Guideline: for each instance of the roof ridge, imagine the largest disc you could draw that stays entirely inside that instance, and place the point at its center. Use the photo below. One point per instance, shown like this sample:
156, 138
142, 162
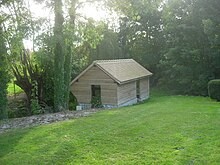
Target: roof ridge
114, 60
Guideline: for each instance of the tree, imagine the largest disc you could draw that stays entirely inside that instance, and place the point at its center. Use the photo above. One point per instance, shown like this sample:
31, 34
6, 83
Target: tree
69, 35
13, 29
140, 31
29, 78
59, 49
188, 61
3, 77
17, 25
210, 11
108, 48
64, 54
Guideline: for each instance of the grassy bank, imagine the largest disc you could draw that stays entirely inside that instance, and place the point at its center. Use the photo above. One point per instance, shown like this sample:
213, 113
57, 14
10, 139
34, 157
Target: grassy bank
164, 130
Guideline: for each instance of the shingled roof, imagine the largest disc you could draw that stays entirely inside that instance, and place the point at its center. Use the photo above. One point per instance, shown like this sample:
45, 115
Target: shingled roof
121, 70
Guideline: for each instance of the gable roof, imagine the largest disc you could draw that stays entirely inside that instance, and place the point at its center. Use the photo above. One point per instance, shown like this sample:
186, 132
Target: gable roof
121, 70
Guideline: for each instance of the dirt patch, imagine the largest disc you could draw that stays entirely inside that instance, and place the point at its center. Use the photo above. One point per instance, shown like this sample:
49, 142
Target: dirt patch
25, 122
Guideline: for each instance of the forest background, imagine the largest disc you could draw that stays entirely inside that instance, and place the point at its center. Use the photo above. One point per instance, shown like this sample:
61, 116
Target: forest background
177, 40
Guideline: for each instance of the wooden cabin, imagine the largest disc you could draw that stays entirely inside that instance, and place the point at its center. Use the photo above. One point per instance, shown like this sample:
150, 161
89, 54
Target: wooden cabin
116, 82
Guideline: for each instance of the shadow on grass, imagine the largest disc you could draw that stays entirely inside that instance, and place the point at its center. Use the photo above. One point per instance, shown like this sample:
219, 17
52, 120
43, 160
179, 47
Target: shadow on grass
169, 129
9, 140
35, 145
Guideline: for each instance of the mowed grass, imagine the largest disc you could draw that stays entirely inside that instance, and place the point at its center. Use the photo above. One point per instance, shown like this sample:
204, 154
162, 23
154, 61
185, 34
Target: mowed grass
163, 130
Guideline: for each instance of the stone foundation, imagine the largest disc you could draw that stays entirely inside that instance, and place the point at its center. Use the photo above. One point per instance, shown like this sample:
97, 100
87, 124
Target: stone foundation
108, 106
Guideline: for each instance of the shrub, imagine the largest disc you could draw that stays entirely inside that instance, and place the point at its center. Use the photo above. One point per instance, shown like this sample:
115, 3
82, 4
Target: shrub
72, 102
96, 102
214, 89
35, 107
17, 108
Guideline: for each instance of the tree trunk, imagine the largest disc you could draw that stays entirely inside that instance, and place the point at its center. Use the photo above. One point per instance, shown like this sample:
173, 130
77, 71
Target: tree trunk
68, 54
25, 78
59, 104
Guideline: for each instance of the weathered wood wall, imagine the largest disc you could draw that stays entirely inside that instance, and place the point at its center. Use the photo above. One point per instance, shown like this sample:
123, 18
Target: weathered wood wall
144, 88
94, 76
126, 92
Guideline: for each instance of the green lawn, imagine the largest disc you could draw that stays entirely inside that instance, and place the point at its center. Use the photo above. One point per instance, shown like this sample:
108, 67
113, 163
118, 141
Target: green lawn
164, 130
11, 89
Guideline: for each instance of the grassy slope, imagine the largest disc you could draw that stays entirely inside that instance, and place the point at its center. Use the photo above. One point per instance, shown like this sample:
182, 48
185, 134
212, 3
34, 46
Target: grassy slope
164, 130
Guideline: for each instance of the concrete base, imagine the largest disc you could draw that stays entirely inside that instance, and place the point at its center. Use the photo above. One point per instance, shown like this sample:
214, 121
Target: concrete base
83, 106
78, 108
144, 98
130, 102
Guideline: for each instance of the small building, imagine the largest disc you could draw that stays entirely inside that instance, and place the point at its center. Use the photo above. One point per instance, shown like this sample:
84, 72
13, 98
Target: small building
116, 82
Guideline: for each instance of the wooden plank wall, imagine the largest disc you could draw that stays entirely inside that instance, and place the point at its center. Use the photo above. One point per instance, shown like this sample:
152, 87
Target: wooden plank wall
144, 88
126, 92
95, 76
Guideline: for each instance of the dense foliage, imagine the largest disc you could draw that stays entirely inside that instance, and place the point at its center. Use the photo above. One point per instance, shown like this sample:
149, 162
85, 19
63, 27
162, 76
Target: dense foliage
3, 78
214, 89
189, 60
179, 41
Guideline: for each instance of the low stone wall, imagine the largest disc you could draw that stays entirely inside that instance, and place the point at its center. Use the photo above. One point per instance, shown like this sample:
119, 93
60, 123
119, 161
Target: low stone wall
25, 122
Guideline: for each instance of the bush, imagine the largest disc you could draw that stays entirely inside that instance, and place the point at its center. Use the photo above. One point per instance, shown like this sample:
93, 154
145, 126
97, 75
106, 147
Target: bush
35, 107
214, 89
72, 102
17, 108
96, 102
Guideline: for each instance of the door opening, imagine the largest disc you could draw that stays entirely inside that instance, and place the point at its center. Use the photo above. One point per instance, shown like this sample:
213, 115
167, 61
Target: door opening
138, 90
96, 96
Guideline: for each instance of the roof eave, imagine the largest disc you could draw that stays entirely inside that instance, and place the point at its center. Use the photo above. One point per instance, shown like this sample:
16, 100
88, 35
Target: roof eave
75, 79
135, 79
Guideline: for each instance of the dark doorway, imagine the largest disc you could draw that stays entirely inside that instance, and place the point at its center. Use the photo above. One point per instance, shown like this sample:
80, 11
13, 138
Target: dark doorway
138, 90
96, 96
96, 90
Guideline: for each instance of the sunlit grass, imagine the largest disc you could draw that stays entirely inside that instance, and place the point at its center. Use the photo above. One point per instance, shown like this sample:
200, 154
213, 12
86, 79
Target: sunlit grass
11, 90
164, 130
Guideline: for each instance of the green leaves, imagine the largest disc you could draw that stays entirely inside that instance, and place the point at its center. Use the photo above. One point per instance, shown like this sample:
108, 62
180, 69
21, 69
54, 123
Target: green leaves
3, 78
178, 40
188, 59
214, 89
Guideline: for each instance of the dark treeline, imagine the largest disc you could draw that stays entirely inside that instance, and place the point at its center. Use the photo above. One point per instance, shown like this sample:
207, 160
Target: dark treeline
177, 40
